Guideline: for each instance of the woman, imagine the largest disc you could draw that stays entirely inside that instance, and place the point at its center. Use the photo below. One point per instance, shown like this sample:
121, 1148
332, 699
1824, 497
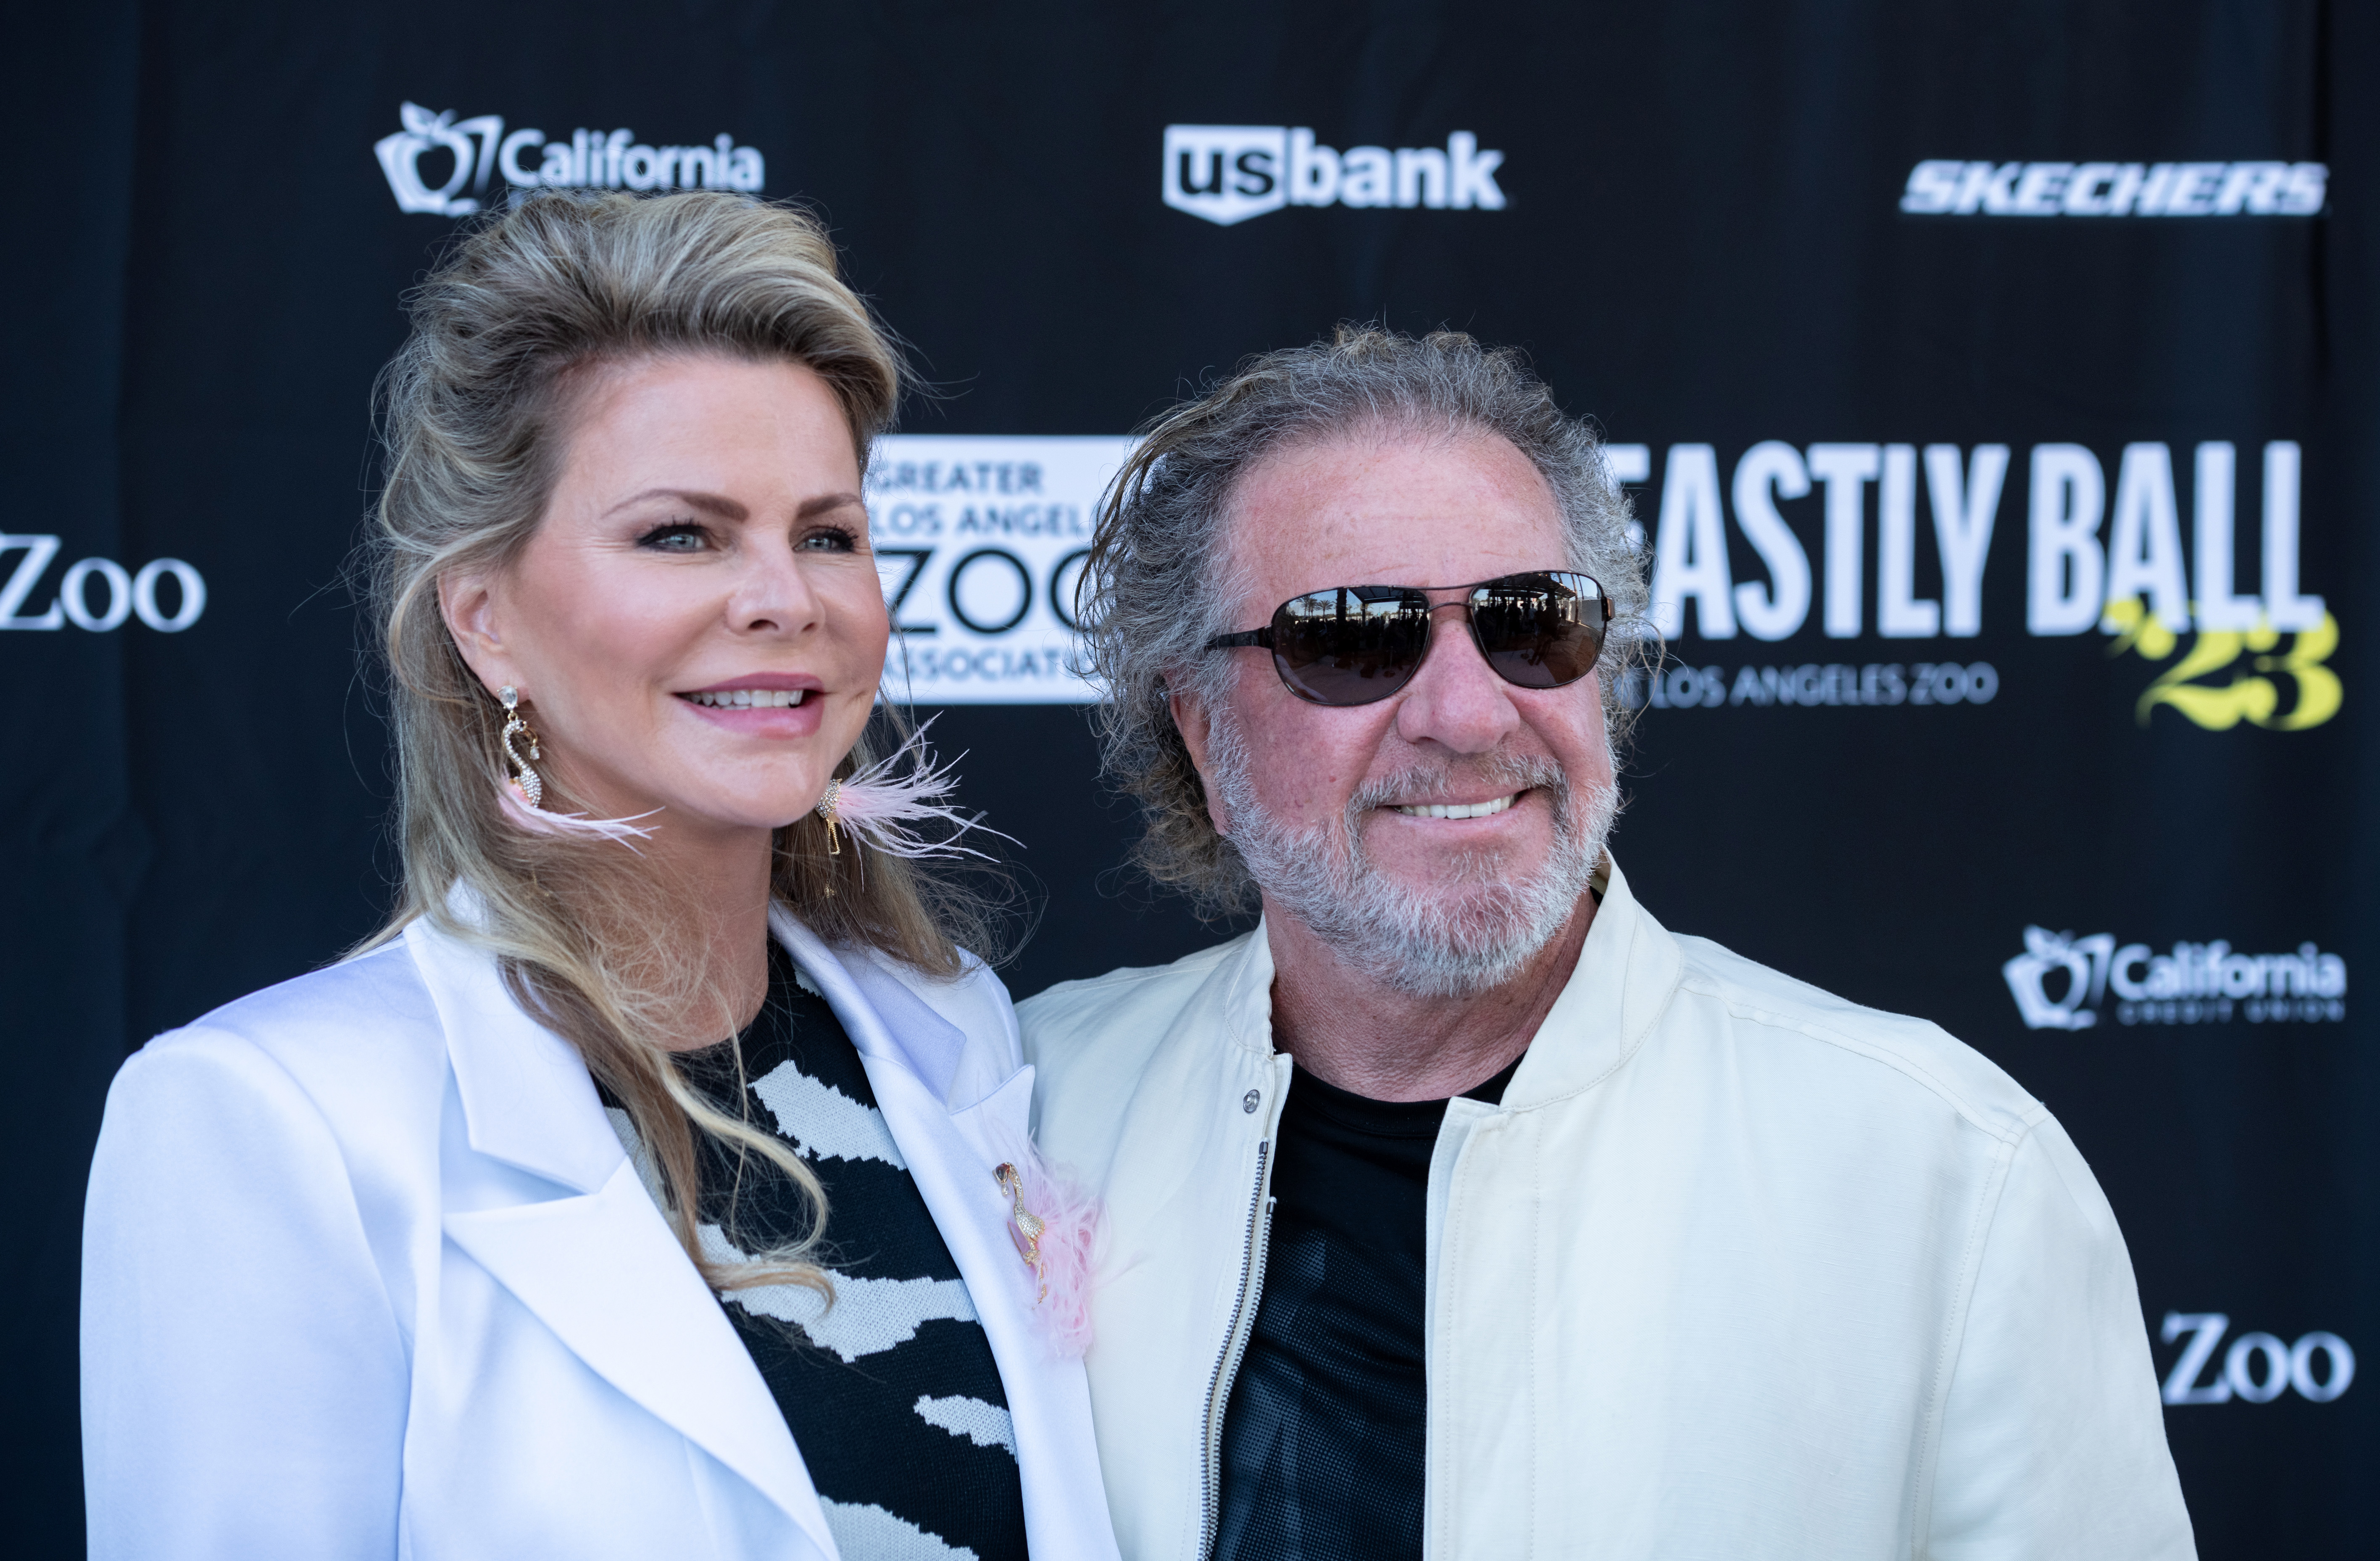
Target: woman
491, 1241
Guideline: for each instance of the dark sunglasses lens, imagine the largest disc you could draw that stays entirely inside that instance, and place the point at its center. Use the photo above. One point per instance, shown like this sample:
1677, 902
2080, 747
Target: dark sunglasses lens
1539, 630
1352, 645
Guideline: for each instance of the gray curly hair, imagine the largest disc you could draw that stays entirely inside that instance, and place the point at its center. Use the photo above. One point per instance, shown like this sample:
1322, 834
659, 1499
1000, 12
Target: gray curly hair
1157, 587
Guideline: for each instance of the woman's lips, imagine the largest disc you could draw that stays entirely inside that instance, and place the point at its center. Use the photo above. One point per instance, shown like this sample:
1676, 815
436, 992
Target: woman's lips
747, 698
749, 682
758, 713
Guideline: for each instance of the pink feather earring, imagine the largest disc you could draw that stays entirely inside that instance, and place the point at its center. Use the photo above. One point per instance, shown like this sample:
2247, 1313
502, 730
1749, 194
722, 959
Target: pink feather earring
523, 796
881, 809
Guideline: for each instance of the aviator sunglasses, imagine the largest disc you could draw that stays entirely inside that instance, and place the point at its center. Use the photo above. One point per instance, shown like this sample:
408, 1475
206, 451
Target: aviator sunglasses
1353, 644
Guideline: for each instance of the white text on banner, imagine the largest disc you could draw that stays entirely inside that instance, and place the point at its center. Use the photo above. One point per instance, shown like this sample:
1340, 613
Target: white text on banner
980, 541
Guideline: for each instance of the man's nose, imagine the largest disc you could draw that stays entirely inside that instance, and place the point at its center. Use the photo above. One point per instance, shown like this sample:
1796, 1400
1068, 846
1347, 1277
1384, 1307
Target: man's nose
1456, 699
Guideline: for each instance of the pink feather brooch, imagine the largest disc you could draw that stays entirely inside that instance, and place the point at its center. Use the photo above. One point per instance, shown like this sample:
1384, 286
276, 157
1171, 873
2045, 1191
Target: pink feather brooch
1054, 1222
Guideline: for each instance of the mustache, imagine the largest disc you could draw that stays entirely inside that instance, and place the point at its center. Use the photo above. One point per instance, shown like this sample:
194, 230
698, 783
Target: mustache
1430, 783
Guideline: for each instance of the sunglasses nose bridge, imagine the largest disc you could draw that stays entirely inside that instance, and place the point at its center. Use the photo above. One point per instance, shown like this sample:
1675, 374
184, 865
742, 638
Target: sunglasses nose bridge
1462, 628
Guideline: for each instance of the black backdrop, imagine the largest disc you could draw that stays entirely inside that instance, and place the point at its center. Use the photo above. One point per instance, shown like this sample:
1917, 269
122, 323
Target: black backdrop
1709, 225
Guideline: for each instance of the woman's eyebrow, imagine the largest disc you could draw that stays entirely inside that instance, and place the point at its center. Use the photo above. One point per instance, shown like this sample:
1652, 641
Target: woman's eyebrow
825, 501
713, 504
729, 509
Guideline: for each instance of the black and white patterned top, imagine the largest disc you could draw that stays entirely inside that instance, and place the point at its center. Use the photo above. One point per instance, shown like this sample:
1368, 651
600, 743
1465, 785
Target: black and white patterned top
892, 1394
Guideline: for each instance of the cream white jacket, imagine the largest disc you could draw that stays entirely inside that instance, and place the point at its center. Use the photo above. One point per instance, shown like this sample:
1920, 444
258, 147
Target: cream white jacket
1736, 1269
366, 1273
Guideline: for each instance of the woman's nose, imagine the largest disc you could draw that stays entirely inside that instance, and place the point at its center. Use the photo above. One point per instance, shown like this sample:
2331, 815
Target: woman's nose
773, 594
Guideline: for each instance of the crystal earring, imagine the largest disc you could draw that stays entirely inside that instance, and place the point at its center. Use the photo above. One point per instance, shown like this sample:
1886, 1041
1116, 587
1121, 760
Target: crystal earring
522, 798
531, 788
827, 810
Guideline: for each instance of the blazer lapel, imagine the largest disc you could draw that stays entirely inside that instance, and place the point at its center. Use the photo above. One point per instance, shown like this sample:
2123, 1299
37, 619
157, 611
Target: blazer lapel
527, 1097
600, 1268
604, 1273
915, 1061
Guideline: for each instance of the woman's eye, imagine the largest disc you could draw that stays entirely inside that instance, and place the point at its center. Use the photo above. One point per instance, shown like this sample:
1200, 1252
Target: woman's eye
834, 539
678, 538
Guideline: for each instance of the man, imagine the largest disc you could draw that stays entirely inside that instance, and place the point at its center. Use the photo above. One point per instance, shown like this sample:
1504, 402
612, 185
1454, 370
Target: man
1460, 1208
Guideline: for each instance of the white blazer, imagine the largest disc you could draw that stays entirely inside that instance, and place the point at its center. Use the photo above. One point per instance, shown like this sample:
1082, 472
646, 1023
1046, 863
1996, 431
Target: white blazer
366, 1273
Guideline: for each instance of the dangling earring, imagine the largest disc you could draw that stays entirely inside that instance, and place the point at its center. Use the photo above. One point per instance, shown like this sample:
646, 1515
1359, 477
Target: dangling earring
878, 807
826, 810
522, 798
531, 788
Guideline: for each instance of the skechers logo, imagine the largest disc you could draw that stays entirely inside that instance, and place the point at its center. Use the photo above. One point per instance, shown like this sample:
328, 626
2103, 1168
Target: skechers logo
1950, 188
1229, 173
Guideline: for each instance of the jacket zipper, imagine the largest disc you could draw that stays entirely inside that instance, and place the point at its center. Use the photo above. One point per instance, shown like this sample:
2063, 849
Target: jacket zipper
1235, 1345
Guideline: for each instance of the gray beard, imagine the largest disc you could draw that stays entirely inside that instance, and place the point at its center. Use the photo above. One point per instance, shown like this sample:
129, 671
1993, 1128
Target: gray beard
1483, 926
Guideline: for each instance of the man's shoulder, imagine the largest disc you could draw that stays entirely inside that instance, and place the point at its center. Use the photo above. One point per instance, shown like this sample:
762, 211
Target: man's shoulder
1139, 1000
1776, 1007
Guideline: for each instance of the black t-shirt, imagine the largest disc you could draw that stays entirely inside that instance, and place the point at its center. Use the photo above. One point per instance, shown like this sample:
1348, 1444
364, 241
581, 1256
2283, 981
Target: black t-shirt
1323, 1436
892, 1395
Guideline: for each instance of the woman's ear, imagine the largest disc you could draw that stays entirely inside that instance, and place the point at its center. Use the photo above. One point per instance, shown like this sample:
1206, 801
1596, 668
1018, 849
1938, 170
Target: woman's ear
467, 601
1197, 724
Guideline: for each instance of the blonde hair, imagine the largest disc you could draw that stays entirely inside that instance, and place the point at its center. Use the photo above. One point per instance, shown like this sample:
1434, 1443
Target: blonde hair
475, 415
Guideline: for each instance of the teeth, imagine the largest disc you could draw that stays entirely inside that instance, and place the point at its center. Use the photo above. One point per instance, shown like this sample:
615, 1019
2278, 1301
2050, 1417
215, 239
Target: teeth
1460, 809
750, 699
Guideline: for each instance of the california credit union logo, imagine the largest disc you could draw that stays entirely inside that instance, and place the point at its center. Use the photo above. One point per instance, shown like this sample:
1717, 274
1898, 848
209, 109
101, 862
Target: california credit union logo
480, 150
2061, 982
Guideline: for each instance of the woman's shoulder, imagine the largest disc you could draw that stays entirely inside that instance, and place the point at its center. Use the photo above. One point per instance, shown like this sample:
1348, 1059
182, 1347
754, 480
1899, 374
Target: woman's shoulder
358, 1040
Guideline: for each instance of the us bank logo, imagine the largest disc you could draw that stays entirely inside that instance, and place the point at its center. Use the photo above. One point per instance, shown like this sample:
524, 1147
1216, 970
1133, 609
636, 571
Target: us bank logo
1229, 173
2061, 982
464, 155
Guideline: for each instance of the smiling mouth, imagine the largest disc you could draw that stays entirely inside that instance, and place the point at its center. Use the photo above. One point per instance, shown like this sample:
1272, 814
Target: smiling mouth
749, 698
1459, 810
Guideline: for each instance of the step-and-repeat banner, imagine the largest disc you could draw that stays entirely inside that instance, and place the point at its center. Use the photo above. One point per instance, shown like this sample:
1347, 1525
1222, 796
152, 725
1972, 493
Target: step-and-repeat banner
1996, 384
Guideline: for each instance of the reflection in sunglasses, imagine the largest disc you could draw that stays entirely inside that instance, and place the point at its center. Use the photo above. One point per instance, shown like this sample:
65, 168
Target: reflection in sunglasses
1354, 644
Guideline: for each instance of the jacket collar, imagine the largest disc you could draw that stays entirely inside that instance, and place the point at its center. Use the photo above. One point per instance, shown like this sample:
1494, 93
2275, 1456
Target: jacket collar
602, 1271
1627, 971
527, 1097
528, 1100
600, 1268
958, 1100
880, 1007
607, 1276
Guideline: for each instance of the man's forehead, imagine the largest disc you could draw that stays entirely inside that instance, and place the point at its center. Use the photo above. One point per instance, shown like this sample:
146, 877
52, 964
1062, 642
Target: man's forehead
1421, 509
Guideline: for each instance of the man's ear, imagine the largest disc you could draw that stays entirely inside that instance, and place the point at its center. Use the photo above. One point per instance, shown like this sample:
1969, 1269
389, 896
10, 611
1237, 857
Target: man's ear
1197, 724
467, 601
